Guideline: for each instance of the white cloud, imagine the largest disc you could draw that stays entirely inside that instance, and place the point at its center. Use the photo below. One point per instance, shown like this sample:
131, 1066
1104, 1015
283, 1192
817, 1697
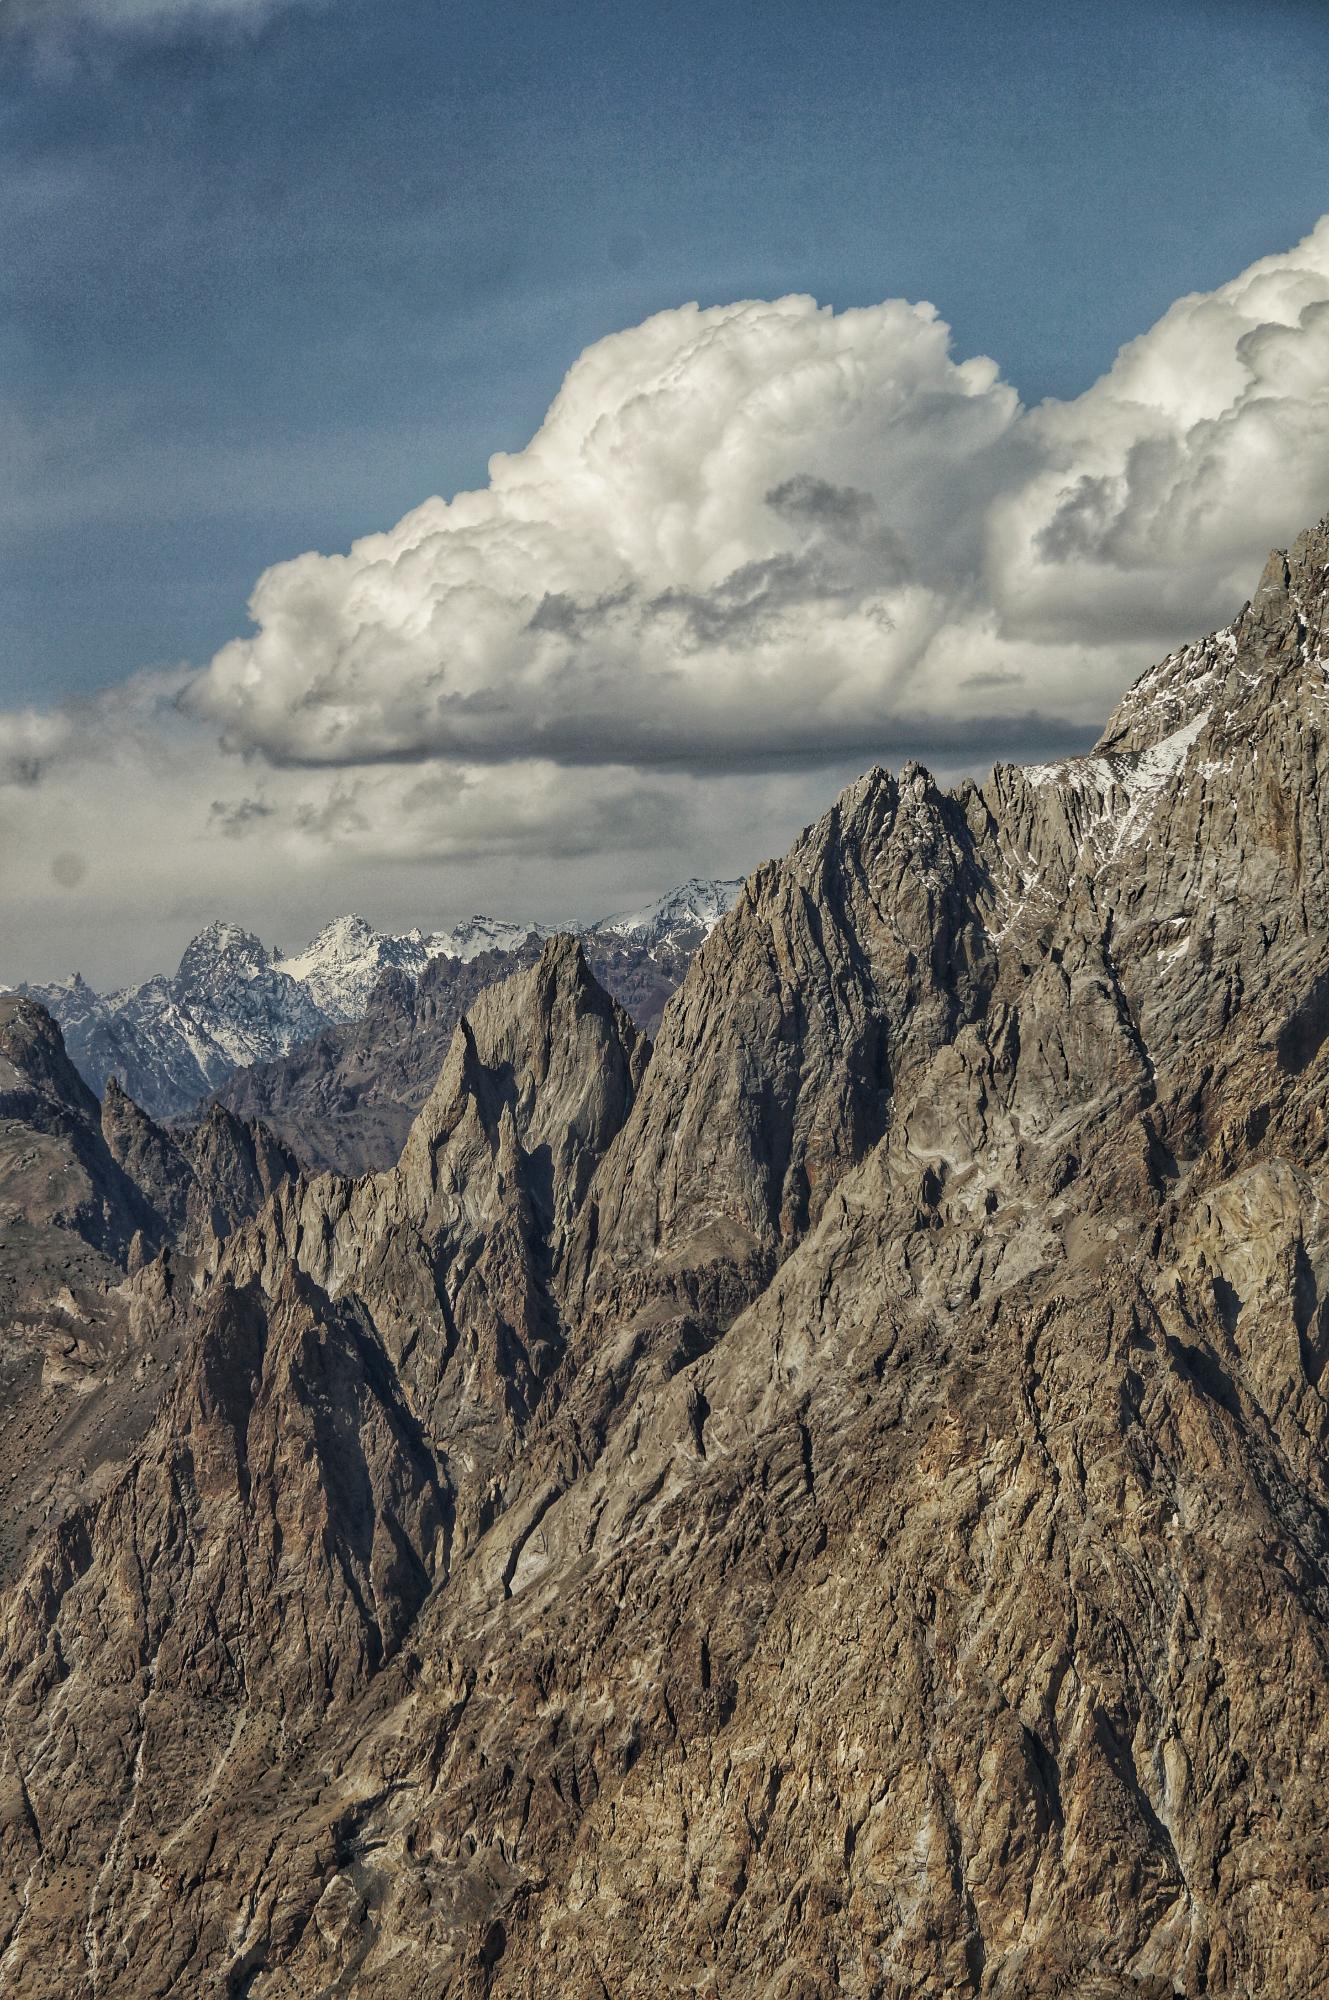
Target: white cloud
123, 827
761, 538
769, 529
1206, 442
736, 531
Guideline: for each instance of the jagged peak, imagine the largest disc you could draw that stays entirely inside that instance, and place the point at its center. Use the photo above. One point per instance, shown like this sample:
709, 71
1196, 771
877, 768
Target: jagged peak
863, 811
225, 935
1309, 553
218, 1117
350, 925
33, 1047
459, 1081
699, 903
863, 796
223, 940
562, 951
515, 1034
1292, 587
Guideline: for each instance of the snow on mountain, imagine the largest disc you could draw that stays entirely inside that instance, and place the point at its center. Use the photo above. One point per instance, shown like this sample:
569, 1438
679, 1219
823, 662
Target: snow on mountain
343, 964
479, 934
176, 1037
686, 915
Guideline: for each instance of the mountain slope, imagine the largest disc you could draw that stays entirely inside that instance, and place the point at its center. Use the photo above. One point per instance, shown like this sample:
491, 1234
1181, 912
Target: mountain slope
89, 1194
838, 1507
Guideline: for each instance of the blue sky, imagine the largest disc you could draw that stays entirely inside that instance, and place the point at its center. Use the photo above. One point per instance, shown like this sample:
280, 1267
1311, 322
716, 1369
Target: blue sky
266, 287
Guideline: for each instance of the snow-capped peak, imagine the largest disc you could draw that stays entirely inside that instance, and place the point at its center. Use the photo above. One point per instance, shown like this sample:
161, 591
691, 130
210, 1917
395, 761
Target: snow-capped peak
694, 907
223, 947
478, 933
342, 965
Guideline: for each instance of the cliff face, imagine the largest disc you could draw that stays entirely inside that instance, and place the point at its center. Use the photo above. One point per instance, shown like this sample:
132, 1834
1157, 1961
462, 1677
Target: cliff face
836, 1507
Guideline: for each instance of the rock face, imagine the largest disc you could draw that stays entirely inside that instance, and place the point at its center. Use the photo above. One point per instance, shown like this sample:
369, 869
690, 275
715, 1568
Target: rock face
835, 1504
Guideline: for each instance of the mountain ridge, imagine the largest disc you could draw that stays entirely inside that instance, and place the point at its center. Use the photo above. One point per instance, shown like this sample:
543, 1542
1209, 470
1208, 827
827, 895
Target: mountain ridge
174, 1039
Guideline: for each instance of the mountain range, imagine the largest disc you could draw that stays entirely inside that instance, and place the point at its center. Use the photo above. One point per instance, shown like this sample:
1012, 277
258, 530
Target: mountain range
175, 1038
829, 1500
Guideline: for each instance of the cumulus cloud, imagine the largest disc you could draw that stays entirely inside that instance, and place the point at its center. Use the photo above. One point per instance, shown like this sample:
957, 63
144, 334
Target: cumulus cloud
734, 534
772, 530
763, 539
1206, 442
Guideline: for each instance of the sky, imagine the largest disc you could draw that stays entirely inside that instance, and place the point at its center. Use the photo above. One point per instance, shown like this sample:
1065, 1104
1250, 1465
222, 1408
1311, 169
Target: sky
516, 456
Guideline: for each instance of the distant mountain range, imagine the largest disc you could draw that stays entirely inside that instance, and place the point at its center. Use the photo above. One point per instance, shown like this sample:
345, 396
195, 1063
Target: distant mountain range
176, 1038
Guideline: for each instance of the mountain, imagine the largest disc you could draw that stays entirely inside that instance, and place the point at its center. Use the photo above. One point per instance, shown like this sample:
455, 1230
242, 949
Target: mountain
683, 918
480, 934
346, 1099
832, 1503
174, 1040
344, 963
340, 968
89, 1195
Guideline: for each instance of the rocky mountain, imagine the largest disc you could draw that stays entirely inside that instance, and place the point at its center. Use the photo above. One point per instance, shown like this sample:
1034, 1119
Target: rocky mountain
346, 1099
89, 1195
833, 1503
682, 920
174, 1039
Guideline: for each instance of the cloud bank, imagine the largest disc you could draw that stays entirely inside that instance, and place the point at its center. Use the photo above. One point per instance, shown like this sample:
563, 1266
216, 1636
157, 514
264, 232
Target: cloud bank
750, 546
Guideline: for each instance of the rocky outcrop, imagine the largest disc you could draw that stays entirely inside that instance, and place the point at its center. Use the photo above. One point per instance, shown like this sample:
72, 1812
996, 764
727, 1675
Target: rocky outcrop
57, 1174
836, 1508
838, 970
453, 1251
282, 1489
235, 1166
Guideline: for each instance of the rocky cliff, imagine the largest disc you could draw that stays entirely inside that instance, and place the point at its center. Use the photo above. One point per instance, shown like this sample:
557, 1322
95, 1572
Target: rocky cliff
90, 1195
833, 1504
